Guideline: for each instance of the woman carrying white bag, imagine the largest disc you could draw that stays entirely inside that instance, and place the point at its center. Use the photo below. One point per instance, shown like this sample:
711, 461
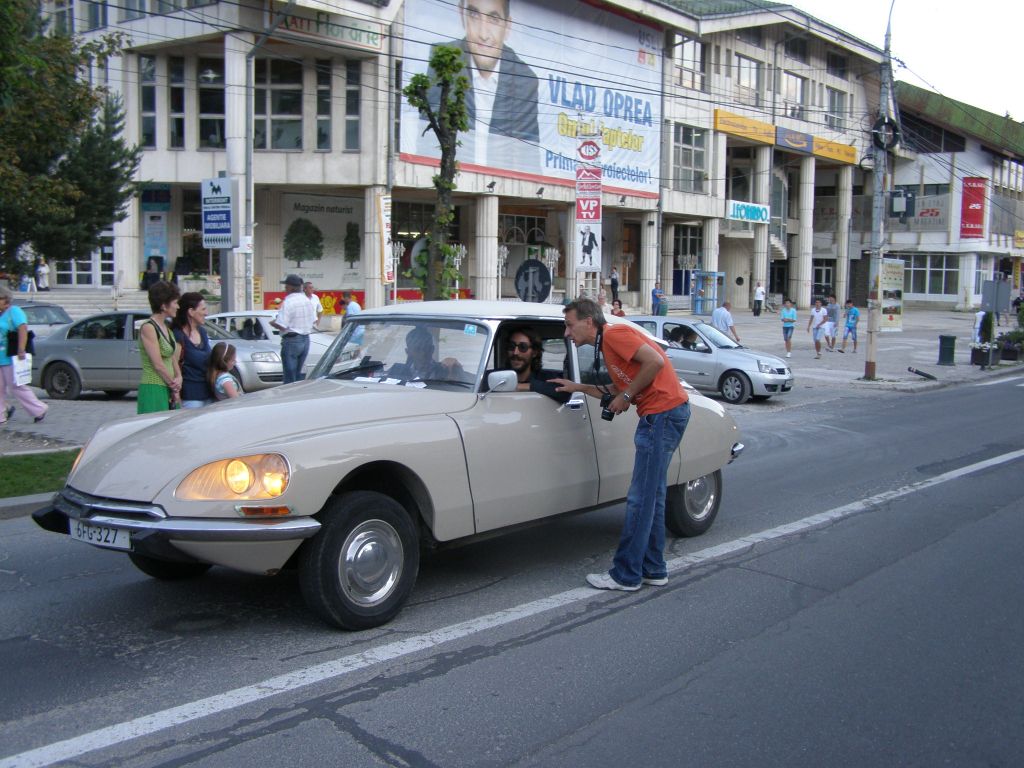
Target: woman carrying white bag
12, 319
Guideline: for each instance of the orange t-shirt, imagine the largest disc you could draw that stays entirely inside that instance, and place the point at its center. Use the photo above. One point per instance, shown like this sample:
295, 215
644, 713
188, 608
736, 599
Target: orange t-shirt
618, 345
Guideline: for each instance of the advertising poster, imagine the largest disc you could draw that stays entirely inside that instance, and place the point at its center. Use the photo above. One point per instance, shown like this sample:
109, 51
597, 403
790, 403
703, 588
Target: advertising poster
588, 219
540, 75
972, 208
323, 240
387, 265
890, 283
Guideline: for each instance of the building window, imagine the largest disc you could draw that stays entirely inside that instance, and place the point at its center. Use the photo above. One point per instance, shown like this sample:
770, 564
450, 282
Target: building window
748, 81
835, 65
96, 14
983, 268
323, 104
63, 18
796, 48
278, 104
353, 76
167, 6
688, 247
176, 102
925, 137
752, 35
689, 158
147, 102
691, 65
793, 89
210, 78
835, 109
132, 9
397, 112
931, 273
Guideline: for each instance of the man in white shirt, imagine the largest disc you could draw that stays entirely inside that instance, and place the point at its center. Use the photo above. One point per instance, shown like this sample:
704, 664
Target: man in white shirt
295, 320
818, 324
352, 308
721, 318
758, 299
314, 300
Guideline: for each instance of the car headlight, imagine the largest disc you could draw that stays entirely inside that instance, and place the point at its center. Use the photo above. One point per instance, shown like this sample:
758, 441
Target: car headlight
243, 478
265, 357
764, 367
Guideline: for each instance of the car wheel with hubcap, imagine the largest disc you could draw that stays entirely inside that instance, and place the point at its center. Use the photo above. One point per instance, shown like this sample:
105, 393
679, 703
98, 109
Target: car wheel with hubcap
358, 571
62, 382
690, 508
167, 570
735, 387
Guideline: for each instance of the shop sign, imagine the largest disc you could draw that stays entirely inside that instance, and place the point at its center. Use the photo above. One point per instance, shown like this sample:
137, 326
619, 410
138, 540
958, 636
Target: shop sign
738, 125
738, 210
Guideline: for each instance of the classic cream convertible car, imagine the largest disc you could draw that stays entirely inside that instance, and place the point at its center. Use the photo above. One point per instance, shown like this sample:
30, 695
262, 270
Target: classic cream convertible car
409, 432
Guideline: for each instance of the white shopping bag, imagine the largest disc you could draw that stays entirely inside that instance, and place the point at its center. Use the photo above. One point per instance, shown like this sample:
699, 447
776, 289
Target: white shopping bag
22, 370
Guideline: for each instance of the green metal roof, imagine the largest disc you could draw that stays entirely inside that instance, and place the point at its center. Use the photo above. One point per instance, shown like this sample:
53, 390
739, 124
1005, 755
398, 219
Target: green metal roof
996, 132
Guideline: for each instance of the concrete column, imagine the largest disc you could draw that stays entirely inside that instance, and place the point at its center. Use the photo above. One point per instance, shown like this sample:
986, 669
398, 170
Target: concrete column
668, 232
128, 257
844, 193
236, 46
372, 243
650, 257
712, 230
801, 292
968, 266
762, 195
571, 256
485, 284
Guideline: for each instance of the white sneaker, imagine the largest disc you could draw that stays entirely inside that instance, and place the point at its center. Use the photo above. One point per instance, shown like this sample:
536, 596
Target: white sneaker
788, 354
605, 581
660, 582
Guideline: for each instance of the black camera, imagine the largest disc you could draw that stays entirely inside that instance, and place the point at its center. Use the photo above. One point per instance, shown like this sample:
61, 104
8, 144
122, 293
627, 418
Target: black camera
606, 400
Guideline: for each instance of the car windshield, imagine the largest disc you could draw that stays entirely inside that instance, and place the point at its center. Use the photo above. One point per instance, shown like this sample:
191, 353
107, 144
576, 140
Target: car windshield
216, 332
46, 315
716, 337
406, 351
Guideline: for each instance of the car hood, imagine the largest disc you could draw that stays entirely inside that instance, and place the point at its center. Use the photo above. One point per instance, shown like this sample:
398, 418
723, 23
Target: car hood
741, 355
136, 458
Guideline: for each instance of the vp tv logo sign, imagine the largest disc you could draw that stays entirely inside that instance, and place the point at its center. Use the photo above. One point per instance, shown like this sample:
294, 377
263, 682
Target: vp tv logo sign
588, 209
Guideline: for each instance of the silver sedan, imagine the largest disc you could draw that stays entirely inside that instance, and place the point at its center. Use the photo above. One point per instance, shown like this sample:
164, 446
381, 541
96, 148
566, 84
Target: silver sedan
102, 352
712, 362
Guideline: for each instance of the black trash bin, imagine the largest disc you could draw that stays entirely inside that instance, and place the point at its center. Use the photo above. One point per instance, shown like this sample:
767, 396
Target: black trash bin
947, 348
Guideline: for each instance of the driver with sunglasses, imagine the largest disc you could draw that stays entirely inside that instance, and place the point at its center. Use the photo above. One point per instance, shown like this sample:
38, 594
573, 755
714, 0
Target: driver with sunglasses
523, 351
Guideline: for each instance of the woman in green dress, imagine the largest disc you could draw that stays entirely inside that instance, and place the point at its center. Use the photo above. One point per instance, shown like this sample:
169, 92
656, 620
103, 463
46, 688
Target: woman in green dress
160, 387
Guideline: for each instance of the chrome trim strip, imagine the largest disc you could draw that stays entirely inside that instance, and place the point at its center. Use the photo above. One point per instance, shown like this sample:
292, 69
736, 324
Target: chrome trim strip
191, 529
737, 449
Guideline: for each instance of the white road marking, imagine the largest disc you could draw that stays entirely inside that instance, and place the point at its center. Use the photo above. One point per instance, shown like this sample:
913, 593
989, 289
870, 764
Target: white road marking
147, 725
1002, 380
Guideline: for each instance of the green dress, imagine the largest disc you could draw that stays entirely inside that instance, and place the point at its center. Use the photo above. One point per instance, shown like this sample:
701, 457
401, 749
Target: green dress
154, 394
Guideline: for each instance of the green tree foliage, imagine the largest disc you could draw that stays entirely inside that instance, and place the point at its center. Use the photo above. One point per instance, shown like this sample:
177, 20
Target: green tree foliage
303, 241
353, 243
44, 110
440, 97
101, 168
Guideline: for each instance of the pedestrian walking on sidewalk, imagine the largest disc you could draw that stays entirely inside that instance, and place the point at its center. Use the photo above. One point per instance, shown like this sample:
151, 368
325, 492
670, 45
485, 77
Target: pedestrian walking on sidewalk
852, 315
816, 326
721, 318
788, 317
758, 299
832, 328
14, 326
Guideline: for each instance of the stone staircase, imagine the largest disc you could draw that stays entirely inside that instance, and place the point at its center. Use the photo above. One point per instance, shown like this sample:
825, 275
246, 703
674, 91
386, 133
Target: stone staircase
82, 302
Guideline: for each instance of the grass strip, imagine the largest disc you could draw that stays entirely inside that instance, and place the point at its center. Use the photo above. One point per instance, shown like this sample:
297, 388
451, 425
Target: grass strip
32, 473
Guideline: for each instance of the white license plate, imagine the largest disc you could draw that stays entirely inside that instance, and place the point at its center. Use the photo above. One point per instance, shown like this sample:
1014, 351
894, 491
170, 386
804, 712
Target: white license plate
100, 535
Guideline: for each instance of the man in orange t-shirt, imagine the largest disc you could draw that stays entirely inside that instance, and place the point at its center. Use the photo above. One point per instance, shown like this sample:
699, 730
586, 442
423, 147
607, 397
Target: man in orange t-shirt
641, 374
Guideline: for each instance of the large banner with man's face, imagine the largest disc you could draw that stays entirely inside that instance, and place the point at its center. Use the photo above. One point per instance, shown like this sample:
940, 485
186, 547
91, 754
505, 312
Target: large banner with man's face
539, 73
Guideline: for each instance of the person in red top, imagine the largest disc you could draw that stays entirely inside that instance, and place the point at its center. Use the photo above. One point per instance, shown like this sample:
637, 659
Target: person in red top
643, 376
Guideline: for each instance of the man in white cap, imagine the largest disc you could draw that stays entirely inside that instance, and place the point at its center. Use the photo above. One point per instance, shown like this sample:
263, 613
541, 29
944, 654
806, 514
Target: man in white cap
295, 320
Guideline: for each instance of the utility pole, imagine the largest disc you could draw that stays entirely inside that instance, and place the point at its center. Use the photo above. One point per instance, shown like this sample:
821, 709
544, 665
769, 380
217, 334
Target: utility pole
884, 136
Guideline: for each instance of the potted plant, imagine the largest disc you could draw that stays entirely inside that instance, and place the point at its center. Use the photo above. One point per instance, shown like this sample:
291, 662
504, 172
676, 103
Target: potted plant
1010, 344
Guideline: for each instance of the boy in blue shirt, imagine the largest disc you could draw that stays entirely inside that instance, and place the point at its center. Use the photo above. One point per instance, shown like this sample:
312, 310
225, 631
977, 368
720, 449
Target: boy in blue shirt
788, 317
852, 315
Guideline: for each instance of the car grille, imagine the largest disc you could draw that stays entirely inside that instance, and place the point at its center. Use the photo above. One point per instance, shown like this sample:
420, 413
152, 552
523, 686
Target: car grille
80, 505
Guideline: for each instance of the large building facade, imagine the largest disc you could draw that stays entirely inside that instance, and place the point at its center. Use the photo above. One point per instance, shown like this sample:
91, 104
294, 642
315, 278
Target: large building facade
729, 143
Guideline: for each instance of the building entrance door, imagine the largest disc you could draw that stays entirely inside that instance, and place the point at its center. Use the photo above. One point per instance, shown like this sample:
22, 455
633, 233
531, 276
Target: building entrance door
94, 271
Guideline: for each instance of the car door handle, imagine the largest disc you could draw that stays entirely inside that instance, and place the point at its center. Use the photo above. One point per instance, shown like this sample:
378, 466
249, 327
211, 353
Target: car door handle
576, 404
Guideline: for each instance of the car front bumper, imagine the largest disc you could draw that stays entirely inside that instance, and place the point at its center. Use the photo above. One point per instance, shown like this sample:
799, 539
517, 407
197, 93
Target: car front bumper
771, 383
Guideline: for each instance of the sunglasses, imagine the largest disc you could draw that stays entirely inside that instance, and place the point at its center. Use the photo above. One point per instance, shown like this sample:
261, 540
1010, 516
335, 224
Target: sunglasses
522, 346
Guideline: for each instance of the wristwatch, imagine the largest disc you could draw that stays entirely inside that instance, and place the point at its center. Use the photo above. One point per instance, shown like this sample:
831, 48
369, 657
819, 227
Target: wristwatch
626, 396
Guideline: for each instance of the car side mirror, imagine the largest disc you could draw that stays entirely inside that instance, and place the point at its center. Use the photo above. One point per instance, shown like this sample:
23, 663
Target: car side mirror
502, 381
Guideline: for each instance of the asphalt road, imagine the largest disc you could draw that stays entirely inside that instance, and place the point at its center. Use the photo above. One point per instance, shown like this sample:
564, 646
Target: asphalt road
858, 602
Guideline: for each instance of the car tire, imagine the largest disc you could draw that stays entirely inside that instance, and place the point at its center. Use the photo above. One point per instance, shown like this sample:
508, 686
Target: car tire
359, 570
167, 570
691, 508
735, 387
115, 394
62, 382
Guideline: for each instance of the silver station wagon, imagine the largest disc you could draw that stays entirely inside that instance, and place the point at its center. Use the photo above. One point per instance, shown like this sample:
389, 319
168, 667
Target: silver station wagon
407, 434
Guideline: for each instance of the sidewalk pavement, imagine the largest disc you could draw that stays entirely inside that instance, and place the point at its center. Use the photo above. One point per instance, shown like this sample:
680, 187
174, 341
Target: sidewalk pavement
916, 346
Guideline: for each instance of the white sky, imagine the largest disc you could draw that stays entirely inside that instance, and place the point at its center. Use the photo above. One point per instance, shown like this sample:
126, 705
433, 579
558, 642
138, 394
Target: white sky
971, 52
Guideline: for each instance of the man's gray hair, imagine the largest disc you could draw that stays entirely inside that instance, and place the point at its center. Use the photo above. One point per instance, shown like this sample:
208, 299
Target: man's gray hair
6, 293
585, 308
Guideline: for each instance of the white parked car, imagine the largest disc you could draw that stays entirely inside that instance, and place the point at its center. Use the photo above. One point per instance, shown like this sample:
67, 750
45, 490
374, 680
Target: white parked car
419, 437
255, 325
712, 362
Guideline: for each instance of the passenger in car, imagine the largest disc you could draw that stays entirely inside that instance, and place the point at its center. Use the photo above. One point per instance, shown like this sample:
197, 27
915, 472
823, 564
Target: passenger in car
523, 350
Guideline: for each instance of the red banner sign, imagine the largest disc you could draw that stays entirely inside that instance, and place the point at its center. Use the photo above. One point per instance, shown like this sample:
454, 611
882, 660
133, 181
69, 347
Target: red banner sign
972, 208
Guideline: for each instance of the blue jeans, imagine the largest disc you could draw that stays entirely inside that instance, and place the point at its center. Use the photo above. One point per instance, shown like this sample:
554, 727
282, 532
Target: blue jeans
641, 549
293, 356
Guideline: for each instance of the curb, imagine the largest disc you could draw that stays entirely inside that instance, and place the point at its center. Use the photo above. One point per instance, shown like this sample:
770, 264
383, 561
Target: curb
17, 501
